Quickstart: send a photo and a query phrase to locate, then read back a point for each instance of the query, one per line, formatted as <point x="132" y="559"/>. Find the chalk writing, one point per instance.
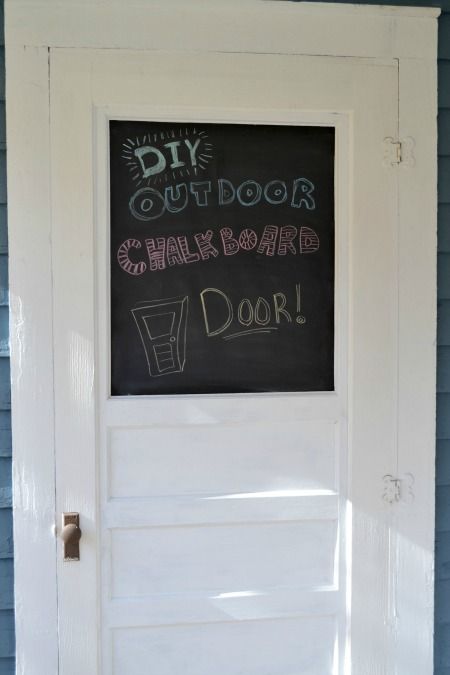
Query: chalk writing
<point x="222" y="258"/>
<point x="219" y="313"/>
<point x="162" y="252"/>
<point x="162" y="328"/>
<point x="149" y="203"/>
<point x="157" y="156"/>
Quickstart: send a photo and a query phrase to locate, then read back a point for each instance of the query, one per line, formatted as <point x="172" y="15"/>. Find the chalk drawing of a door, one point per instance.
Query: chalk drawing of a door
<point x="162" y="326"/>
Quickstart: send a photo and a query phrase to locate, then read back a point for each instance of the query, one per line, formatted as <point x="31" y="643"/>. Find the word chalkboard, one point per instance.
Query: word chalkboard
<point x="222" y="258"/>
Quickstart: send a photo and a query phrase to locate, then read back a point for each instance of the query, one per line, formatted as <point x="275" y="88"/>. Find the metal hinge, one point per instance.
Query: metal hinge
<point x="398" y="489"/>
<point x="398" y="152"/>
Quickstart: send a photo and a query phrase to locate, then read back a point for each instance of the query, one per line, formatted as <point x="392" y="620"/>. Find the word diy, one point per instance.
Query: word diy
<point x="165" y="155"/>
<point x="162" y="252"/>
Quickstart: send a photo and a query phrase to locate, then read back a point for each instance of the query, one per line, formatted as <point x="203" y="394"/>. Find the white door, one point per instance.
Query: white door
<point x="245" y="533"/>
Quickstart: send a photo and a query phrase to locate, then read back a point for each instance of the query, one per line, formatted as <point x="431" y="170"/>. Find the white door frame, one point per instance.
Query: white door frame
<point x="34" y="27"/>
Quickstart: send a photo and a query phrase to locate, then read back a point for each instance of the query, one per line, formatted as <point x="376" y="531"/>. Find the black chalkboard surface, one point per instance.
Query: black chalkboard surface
<point x="222" y="258"/>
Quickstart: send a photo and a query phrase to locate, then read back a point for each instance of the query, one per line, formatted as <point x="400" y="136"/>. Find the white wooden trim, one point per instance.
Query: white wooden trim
<point x="30" y="280"/>
<point x="417" y="301"/>
<point x="370" y="31"/>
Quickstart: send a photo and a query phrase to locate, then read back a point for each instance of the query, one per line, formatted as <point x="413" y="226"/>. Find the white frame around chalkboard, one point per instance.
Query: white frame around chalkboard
<point x="341" y="124"/>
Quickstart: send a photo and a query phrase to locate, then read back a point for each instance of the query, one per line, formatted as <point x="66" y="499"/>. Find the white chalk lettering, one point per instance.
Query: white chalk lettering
<point x="280" y="301"/>
<point x="227" y="307"/>
<point x="265" y="320"/>
<point x="262" y="316"/>
<point x="245" y="320"/>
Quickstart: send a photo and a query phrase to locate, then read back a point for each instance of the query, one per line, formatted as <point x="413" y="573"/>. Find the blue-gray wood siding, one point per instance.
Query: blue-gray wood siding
<point x="442" y="584"/>
<point x="442" y="589"/>
<point x="6" y="539"/>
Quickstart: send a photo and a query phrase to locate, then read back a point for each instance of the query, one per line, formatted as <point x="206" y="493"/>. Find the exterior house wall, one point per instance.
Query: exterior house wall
<point x="442" y="639"/>
<point x="6" y="544"/>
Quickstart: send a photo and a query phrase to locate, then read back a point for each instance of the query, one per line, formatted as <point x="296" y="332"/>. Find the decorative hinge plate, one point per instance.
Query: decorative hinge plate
<point x="398" y="489"/>
<point x="398" y="152"/>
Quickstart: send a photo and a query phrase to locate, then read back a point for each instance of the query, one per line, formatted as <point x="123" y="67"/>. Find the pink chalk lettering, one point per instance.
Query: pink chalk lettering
<point x="268" y="240"/>
<point x="203" y="241"/>
<point x="287" y="234"/>
<point x="124" y="261"/>
<point x="230" y="245"/>
<point x="156" y="249"/>
<point x="174" y="256"/>
<point x="248" y="239"/>
<point x="309" y="241"/>
<point x="188" y="257"/>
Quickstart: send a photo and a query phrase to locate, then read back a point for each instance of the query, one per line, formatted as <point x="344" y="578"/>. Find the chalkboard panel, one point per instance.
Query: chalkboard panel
<point x="222" y="258"/>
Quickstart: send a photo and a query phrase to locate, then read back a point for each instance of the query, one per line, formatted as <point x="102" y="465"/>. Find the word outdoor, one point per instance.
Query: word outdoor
<point x="148" y="203"/>
<point x="162" y="252"/>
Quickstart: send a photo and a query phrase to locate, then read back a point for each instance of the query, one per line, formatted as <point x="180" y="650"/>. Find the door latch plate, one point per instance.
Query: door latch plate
<point x="71" y="535"/>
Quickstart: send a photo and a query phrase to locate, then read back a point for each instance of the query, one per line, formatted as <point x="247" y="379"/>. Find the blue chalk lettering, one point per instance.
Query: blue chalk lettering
<point x="200" y="190"/>
<point x="226" y="192"/>
<point x="249" y="193"/>
<point x="192" y="150"/>
<point x="147" y="204"/>
<point x="146" y="153"/>
<point x="275" y="192"/>
<point x="301" y="194"/>
<point x="176" y="197"/>
<point x="173" y="147"/>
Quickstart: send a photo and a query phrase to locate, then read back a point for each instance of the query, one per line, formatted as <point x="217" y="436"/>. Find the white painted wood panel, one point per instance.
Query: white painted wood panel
<point x="237" y="25"/>
<point x="253" y="648"/>
<point x="250" y="605"/>
<point x="218" y="459"/>
<point x="224" y="559"/>
<point x="244" y="507"/>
